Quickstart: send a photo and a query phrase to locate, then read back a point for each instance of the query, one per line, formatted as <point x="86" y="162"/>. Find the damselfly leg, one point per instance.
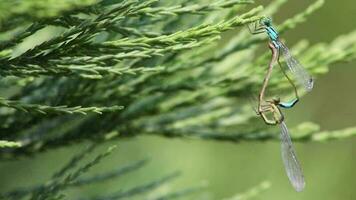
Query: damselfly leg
<point x="257" y="28"/>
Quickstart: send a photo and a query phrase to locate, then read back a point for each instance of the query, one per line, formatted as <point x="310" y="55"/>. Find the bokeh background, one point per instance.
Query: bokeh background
<point x="229" y="168"/>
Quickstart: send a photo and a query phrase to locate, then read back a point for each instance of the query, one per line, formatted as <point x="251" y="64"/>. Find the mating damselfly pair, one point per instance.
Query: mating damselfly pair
<point x="302" y="77"/>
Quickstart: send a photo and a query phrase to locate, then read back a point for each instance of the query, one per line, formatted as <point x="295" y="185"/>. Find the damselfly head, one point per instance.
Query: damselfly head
<point x="266" y="21"/>
<point x="270" y="113"/>
<point x="274" y="100"/>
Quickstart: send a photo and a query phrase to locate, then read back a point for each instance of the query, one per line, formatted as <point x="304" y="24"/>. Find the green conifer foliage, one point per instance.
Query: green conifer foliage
<point x="100" y="70"/>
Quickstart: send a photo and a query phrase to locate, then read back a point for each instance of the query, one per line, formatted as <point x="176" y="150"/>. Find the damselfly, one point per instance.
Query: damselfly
<point x="289" y="157"/>
<point x="270" y="110"/>
<point x="261" y="99"/>
<point x="301" y="75"/>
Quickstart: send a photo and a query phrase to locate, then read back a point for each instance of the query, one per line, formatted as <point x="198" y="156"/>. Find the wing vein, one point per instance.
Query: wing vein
<point x="289" y="157"/>
<point x="302" y="77"/>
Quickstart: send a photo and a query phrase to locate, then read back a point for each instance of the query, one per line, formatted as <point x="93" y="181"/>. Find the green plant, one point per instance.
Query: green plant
<point x="111" y="69"/>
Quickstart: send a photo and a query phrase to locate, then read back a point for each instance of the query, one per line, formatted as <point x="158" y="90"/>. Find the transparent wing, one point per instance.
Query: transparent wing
<point x="291" y="164"/>
<point x="301" y="75"/>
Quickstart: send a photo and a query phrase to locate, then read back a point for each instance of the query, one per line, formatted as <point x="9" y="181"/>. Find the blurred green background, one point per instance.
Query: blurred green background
<point x="229" y="168"/>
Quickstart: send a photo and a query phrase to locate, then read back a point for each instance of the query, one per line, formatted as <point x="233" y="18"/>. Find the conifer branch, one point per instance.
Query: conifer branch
<point x="44" y="109"/>
<point x="9" y="144"/>
<point x="139" y="189"/>
<point x="52" y="190"/>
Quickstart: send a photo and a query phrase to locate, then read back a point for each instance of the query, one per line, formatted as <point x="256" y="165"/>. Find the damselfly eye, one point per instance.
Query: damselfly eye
<point x="267" y="21"/>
